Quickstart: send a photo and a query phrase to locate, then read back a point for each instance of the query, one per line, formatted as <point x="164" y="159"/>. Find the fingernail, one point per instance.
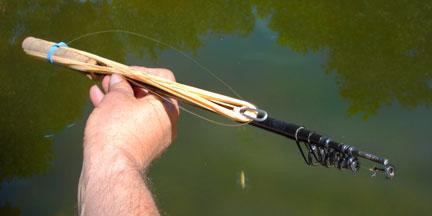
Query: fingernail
<point x="115" y="78"/>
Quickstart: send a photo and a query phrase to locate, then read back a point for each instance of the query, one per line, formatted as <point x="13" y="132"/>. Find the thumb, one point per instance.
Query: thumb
<point x="119" y="84"/>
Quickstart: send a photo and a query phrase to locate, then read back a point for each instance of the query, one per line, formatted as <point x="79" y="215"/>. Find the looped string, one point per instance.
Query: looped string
<point x="53" y="48"/>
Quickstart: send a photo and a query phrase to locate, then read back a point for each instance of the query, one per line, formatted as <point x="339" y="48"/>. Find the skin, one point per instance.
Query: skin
<point x="128" y="129"/>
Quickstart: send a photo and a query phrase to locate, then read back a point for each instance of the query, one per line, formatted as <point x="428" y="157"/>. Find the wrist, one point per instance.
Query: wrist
<point x="133" y="152"/>
<point x="124" y="149"/>
<point x="109" y="159"/>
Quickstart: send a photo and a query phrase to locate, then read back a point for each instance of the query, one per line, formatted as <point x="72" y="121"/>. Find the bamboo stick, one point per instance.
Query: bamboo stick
<point x="90" y="63"/>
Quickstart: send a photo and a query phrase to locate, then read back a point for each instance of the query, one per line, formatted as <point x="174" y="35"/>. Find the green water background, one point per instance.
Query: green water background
<point x="359" y="71"/>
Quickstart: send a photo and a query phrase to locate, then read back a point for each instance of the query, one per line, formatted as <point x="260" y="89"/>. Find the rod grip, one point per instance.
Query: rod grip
<point x="39" y="48"/>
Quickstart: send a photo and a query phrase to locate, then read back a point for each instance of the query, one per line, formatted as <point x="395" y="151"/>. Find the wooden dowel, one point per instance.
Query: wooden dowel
<point x="35" y="45"/>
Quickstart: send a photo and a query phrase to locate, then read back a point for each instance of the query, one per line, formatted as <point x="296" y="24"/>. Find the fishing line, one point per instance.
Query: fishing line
<point x="196" y="114"/>
<point x="182" y="54"/>
<point x="165" y="44"/>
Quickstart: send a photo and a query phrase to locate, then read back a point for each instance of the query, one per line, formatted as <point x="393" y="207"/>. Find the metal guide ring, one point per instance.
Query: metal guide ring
<point x="309" y="136"/>
<point x="261" y="114"/>
<point x="296" y="133"/>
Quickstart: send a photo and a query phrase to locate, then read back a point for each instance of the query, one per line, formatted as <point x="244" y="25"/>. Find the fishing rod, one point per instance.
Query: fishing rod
<point x="319" y="149"/>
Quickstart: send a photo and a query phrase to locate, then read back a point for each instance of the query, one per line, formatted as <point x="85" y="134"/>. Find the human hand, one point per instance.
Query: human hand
<point x="129" y="125"/>
<point x="127" y="129"/>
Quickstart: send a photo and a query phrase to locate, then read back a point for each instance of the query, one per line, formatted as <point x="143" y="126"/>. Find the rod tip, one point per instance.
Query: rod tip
<point x="389" y="171"/>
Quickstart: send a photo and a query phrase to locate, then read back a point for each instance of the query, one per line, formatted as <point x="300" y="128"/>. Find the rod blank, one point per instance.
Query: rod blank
<point x="325" y="151"/>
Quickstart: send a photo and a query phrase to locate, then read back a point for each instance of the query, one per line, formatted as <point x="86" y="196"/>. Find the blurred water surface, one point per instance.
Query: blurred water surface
<point x="359" y="71"/>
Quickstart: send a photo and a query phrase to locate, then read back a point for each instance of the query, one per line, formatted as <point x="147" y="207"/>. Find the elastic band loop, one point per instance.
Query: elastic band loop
<point x="53" y="48"/>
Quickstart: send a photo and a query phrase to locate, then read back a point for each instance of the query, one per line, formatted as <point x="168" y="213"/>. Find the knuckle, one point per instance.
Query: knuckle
<point x="167" y="73"/>
<point x="119" y="93"/>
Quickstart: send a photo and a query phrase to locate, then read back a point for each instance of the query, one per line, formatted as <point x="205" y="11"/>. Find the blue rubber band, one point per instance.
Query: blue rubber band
<point x="53" y="48"/>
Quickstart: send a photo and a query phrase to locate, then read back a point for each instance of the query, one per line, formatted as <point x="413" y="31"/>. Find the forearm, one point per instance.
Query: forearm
<point x="113" y="185"/>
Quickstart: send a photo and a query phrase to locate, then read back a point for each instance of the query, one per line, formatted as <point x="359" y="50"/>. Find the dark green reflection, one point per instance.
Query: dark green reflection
<point x="380" y="50"/>
<point x="7" y="210"/>
<point x="39" y="98"/>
